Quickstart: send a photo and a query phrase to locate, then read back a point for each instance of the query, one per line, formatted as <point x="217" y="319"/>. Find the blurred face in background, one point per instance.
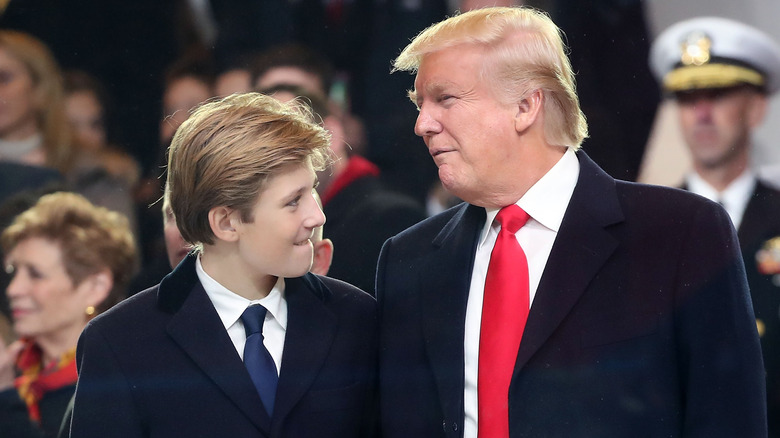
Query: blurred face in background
<point x="181" y="96"/>
<point x="44" y="302"/>
<point x="18" y="102"/>
<point x="85" y="115"/>
<point x="716" y="123"/>
<point x="291" y="76"/>
<point x="233" y="81"/>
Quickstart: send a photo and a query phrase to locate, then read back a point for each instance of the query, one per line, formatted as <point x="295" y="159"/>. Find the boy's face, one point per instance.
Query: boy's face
<point x="278" y="241"/>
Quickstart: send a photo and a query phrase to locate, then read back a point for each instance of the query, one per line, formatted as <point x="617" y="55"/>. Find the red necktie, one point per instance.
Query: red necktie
<point x="504" y="313"/>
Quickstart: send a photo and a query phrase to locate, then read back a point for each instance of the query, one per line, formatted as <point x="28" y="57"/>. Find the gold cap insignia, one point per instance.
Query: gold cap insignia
<point x="696" y="49"/>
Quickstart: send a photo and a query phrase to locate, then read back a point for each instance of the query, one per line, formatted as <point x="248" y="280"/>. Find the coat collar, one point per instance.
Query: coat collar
<point x="311" y="329"/>
<point x="443" y="300"/>
<point x="582" y="246"/>
<point x="197" y="329"/>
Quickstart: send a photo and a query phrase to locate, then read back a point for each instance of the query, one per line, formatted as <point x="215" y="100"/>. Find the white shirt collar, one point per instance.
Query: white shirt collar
<point x="546" y="201"/>
<point x="734" y="199"/>
<point x="230" y="305"/>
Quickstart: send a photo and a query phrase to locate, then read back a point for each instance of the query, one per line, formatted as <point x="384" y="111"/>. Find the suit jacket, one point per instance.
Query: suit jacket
<point x="641" y="324"/>
<point x="760" y="223"/>
<point x="161" y="364"/>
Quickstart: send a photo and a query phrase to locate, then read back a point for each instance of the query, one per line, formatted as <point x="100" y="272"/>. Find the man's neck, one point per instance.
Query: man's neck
<point x="720" y="177"/>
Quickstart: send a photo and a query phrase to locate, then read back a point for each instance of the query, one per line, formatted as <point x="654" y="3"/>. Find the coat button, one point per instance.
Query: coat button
<point x="444" y="425"/>
<point x="454" y="427"/>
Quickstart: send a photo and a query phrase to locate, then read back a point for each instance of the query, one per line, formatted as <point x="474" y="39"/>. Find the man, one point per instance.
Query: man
<point x="720" y="74"/>
<point x="628" y="312"/>
<point x="168" y="361"/>
<point x="362" y="210"/>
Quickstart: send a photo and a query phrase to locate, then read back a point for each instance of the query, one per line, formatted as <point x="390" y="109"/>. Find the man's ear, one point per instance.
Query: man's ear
<point x="528" y="110"/>
<point x="223" y="222"/>
<point x="323" y="256"/>
<point x="757" y="110"/>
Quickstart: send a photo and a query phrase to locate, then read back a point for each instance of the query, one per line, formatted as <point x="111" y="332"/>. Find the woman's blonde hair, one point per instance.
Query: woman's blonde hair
<point x="524" y="51"/>
<point x="47" y="81"/>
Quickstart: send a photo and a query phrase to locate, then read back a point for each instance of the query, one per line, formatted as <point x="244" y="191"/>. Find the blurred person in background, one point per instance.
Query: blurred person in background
<point x="70" y="260"/>
<point x="87" y="109"/>
<point x="188" y="83"/>
<point x="101" y="171"/>
<point x="234" y="75"/>
<point x="33" y="125"/>
<point x="720" y="74"/>
<point x="300" y="65"/>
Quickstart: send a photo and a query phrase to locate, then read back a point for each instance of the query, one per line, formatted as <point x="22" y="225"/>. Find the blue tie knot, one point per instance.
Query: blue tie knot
<point x="253" y="318"/>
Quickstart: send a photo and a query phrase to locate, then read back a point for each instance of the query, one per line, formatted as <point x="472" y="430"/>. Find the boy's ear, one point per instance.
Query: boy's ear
<point x="223" y="222"/>
<point x="323" y="256"/>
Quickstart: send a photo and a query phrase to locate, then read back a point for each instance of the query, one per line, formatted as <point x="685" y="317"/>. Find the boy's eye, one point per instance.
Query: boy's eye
<point x="294" y="202"/>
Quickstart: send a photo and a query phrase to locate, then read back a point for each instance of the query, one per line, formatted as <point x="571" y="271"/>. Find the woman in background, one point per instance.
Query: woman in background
<point x="70" y="261"/>
<point x="33" y="127"/>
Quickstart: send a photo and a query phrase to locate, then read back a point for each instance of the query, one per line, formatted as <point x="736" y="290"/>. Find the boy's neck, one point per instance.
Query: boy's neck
<point x="226" y="267"/>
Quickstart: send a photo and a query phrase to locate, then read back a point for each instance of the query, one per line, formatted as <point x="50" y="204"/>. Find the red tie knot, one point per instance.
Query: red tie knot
<point x="512" y="218"/>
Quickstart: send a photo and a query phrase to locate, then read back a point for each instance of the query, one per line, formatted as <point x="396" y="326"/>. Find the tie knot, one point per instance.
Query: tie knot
<point x="253" y="318"/>
<point x="512" y="218"/>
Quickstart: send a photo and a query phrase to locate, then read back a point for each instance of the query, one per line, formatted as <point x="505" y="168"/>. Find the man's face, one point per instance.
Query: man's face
<point x="716" y="123"/>
<point x="468" y="132"/>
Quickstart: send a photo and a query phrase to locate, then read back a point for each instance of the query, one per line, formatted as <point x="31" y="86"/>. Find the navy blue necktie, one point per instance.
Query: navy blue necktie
<point x="257" y="359"/>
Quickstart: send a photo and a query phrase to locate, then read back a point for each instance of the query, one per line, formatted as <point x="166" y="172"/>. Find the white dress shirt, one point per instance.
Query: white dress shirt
<point x="734" y="199"/>
<point x="545" y="202"/>
<point x="230" y="306"/>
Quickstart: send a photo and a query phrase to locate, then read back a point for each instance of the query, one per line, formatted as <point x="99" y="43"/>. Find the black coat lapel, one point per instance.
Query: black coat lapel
<point x="580" y="249"/>
<point x="311" y="328"/>
<point x="444" y="299"/>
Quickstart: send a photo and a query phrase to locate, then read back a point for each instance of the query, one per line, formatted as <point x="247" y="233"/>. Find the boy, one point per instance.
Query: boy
<point x="168" y="361"/>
